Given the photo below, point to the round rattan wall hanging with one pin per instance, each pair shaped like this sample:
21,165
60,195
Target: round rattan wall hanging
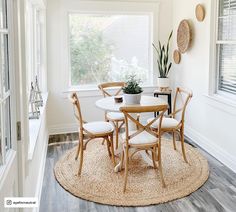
177,56
184,36
200,12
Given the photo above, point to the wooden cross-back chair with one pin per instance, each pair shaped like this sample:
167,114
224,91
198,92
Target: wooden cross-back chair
90,131
170,123
142,139
115,117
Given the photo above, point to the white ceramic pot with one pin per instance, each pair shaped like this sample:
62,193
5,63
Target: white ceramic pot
163,82
132,99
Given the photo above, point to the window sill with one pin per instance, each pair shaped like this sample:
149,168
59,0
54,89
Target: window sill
95,92
34,128
222,103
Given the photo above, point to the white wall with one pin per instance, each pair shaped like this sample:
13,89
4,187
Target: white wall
210,123
60,117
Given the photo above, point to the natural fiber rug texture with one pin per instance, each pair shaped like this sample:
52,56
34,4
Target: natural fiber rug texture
99,183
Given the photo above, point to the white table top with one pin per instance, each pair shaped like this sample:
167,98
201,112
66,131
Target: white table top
109,104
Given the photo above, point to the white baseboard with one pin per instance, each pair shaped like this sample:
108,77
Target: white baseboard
213,149
63,128
39,185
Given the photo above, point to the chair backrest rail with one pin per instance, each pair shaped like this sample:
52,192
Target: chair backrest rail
185,100
76,107
108,85
130,110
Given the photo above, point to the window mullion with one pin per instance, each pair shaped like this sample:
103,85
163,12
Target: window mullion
226,50
2,135
2,146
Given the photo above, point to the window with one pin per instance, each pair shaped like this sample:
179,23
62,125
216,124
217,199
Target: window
109,47
34,44
37,43
36,67
5,93
226,47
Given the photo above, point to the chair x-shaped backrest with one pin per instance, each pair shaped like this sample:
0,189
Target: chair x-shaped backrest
129,112
105,86
183,97
77,110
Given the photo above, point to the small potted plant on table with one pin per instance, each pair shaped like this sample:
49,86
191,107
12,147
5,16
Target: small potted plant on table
163,63
132,91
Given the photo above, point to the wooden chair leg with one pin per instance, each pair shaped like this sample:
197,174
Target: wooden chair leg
122,160
160,164
117,133
81,157
104,140
126,167
78,150
174,143
161,174
108,146
112,150
158,153
182,145
154,158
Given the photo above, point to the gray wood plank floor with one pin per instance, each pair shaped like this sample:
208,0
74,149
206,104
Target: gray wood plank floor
217,194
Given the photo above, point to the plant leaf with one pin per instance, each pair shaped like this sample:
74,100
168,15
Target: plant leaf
170,36
168,70
163,57
155,48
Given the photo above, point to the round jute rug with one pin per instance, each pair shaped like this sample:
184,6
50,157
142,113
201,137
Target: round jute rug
99,183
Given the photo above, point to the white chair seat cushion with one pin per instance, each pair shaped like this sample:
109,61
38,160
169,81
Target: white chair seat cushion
115,115
166,123
142,138
98,127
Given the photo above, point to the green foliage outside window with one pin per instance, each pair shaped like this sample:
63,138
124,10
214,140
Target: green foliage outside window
90,58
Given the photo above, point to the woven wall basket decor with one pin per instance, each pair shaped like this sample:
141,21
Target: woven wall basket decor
177,56
200,12
184,36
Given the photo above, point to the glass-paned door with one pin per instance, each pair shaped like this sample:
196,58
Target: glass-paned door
5,88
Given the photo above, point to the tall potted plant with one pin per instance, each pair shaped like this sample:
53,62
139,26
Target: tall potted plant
163,63
132,91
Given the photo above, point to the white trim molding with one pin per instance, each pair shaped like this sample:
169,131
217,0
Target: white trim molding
129,1
95,92
221,103
39,186
212,47
211,148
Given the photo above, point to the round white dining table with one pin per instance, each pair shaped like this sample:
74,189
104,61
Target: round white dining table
108,104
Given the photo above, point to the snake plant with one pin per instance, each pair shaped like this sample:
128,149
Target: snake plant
163,58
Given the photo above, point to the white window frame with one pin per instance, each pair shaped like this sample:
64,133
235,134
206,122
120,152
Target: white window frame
7,156
33,65
36,64
92,7
150,49
214,58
